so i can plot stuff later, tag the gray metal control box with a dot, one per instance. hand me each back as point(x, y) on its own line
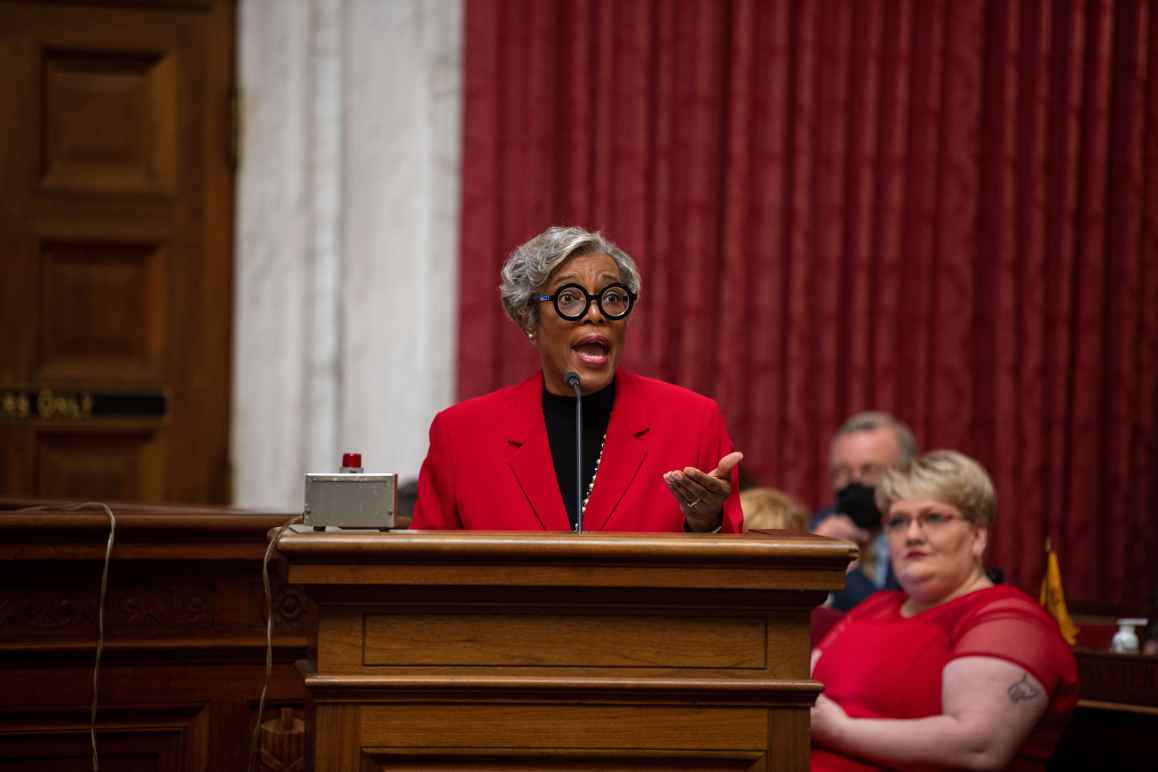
point(351, 500)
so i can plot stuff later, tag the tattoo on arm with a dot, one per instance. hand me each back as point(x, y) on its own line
point(1023, 690)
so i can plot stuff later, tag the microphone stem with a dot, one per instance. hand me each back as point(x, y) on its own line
point(578, 457)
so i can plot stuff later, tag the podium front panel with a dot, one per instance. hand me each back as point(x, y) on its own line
point(477, 651)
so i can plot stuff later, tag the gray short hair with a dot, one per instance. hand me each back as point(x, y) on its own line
point(533, 262)
point(871, 420)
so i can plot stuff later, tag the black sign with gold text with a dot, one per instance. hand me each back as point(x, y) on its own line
point(72, 405)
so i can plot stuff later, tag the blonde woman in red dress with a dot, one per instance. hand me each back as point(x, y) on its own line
point(952, 671)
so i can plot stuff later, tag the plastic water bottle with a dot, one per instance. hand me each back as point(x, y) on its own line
point(1125, 641)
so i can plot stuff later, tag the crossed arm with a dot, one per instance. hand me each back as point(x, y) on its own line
point(989, 708)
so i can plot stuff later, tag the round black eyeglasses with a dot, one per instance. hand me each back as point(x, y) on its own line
point(573, 301)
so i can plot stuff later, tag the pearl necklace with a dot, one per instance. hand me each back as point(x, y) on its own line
point(594, 472)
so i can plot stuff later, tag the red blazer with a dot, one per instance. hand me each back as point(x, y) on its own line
point(489, 466)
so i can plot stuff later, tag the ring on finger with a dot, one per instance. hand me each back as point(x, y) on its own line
point(692, 506)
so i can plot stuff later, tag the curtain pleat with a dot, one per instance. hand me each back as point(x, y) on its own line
point(1086, 398)
point(1063, 242)
point(1144, 440)
point(942, 208)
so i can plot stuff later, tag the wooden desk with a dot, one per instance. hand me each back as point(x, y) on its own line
point(1116, 719)
point(440, 651)
point(184, 655)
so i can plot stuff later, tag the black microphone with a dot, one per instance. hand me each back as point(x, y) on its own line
point(572, 379)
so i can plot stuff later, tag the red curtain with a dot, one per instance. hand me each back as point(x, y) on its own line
point(947, 210)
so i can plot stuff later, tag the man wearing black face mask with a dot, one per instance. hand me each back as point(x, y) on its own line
point(863, 449)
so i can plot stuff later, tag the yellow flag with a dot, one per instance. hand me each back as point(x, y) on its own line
point(1054, 599)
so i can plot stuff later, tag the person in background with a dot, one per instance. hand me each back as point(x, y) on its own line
point(772, 509)
point(951, 671)
point(507, 460)
point(863, 449)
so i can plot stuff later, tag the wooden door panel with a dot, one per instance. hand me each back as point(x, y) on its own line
point(110, 465)
point(104, 312)
point(110, 120)
point(17, 450)
point(115, 221)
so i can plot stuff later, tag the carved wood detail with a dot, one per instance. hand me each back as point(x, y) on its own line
point(170, 604)
point(283, 741)
point(21, 612)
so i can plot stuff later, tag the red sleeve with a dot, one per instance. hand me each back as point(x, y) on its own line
point(436, 508)
point(1017, 630)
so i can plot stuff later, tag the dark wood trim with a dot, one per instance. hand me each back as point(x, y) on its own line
point(160, 5)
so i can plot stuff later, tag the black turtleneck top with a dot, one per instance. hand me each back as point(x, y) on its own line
point(559, 413)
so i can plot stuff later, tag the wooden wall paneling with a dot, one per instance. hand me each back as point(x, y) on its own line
point(117, 185)
point(184, 654)
point(160, 738)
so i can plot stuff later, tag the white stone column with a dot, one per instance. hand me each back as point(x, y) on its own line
point(347, 237)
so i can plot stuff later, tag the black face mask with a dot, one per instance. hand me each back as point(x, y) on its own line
point(858, 501)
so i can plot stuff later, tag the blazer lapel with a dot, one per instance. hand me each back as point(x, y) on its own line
point(531, 462)
point(623, 452)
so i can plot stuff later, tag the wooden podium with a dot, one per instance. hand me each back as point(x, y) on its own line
point(531, 651)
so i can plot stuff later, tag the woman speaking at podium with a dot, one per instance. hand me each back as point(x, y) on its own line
point(507, 460)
